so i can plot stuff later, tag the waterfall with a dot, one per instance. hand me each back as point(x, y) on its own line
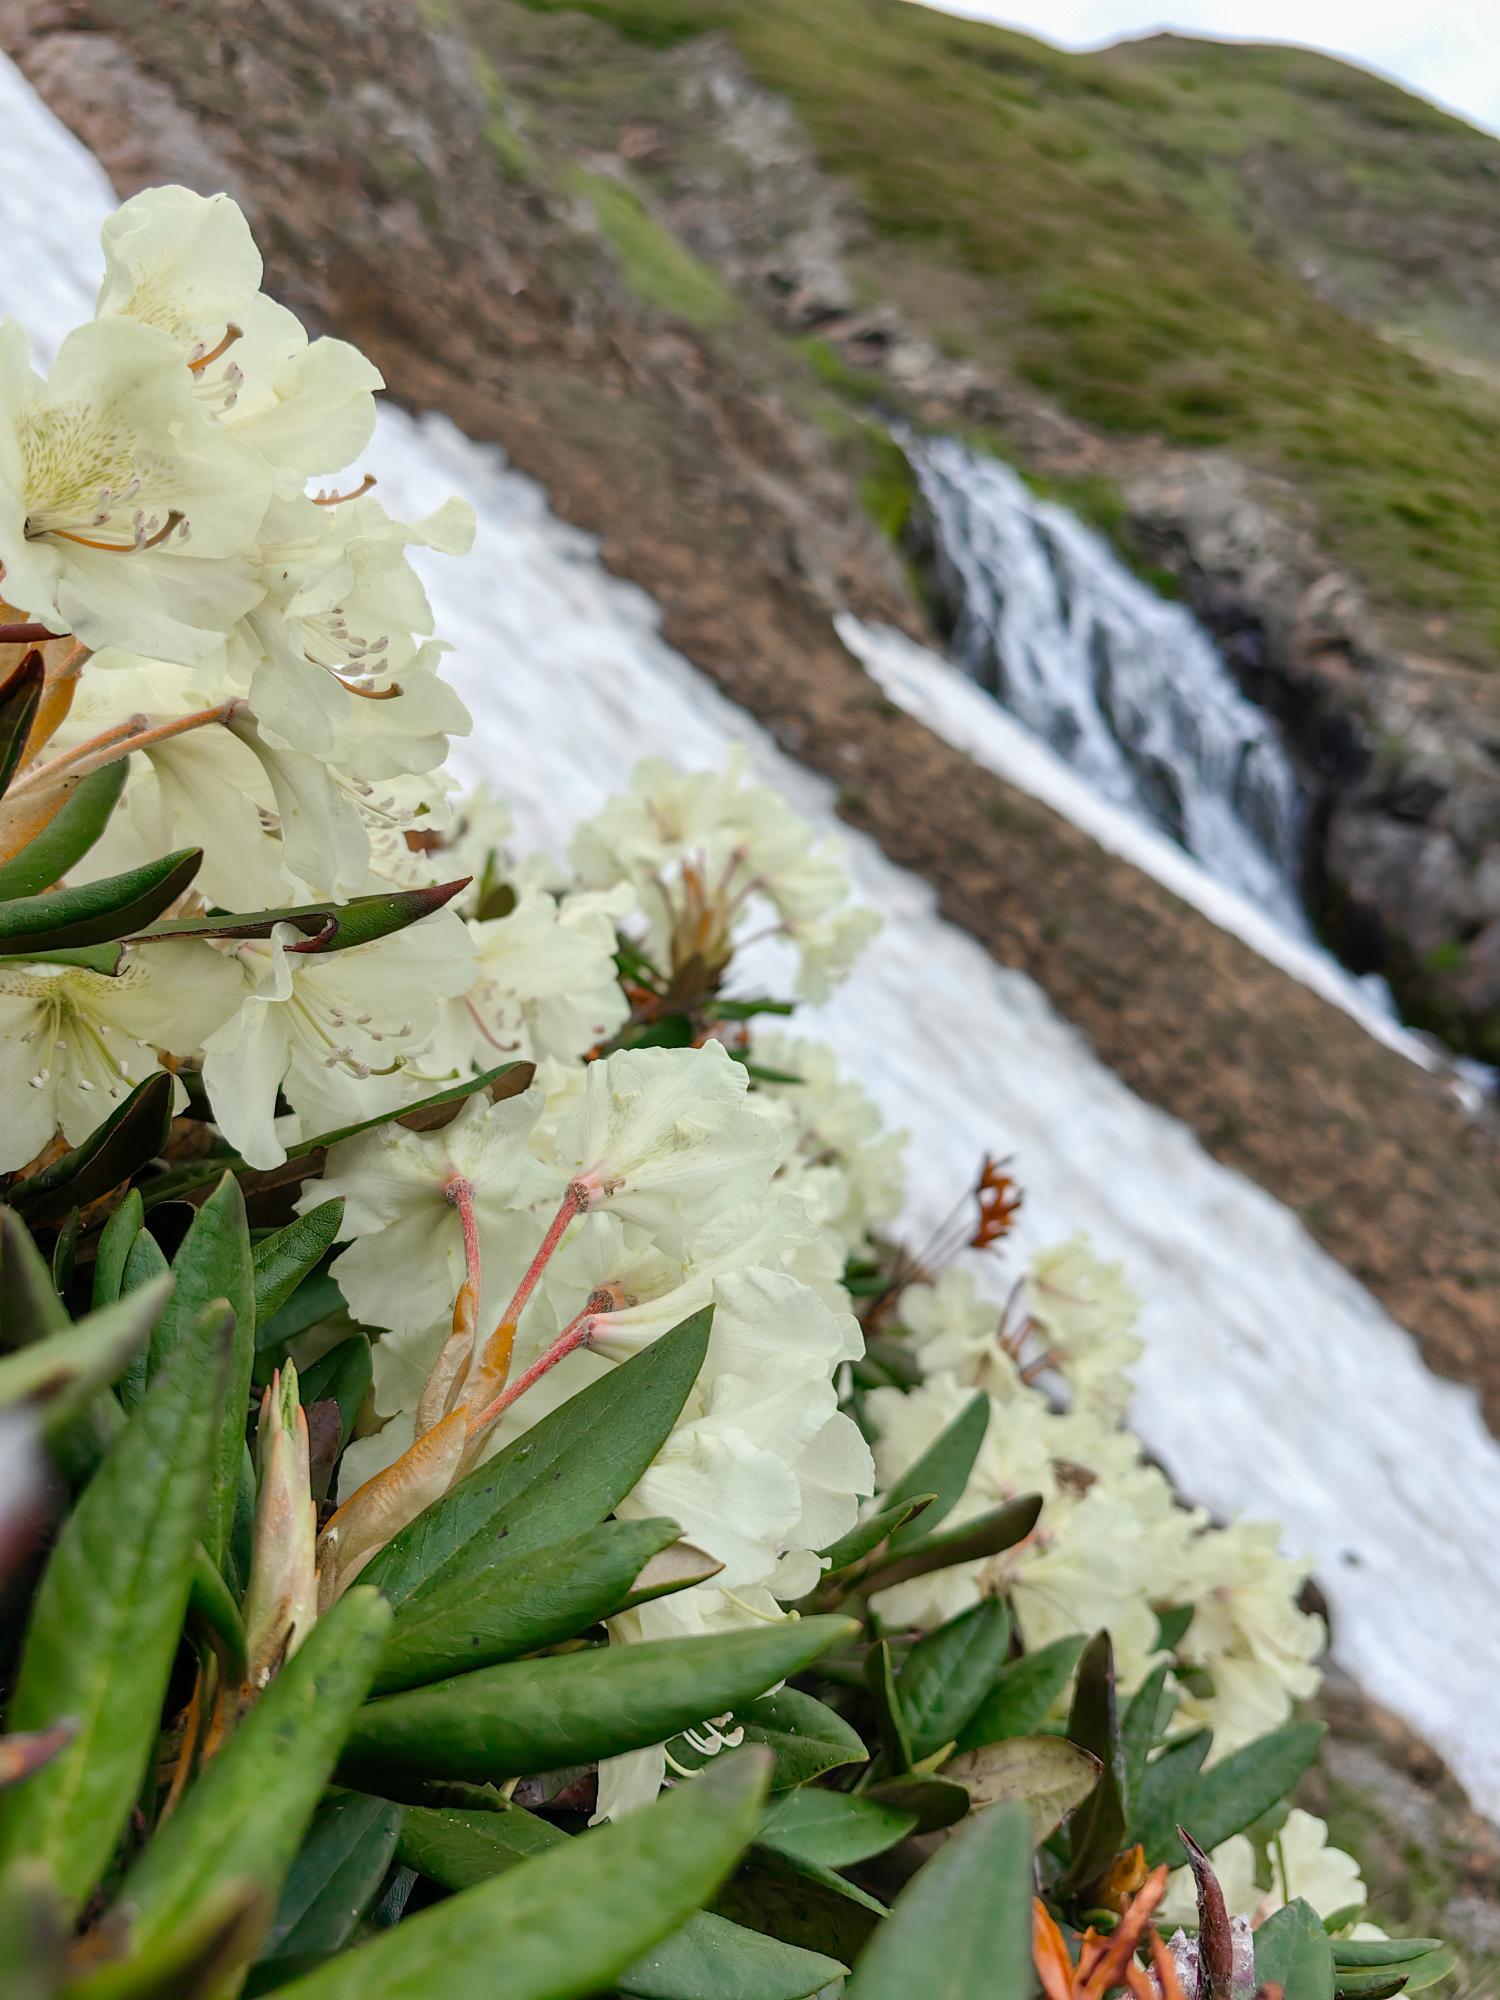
point(1124, 686)
point(1273, 1382)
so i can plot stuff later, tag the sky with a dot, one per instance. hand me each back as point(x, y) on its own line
point(1448, 50)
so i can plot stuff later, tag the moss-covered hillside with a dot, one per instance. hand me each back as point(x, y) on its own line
point(1246, 247)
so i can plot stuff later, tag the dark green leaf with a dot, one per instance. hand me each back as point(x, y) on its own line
point(564, 1474)
point(214, 1261)
point(106, 1619)
point(105, 959)
point(937, 1802)
point(113, 1248)
point(708, 1959)
point(800, 1903)
point(942, 1470)
point(1293, 1950)
point(1239, 1788)
point(325, 927)
point(283, 1260)
point(568, 1923)
point(1023, 1695)
point(858, 1543)
point(333, 1881)
point(540, 1715)
point(913, 1553)
point(962, 1926)
point(1098, 1829)
point(62, 1370)
point(29, 1306)
point(1171, 1627)
point(134, 1132)
point(96, 912)
point(244, 1817)
point(1146, 1715)
point(833, 1829)
point(890, 1725)
point(67, 836)
point(317, 1298)
point(805, 1736)
point(343, 1376)
point(1163, 1788)
point(518, 1604)
point(20, 697)
point(144, 1264)
point(1360, 1954)
point(65, 1253)
point(950, 1671)
point(214, 1615)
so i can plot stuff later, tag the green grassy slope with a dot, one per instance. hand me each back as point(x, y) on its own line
point(1109, 214)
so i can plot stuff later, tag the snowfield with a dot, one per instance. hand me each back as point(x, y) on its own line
point(1273, 1382)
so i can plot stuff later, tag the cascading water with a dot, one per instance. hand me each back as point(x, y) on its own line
point(1125, 687)
point(1256, 1387)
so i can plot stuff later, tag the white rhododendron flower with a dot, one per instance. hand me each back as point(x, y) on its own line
point(76, 1042)
point(341, 1032)
point(957, 1331)
point(545, 979)
point(127, 516)
point(1086, 1312)
point(1247, 1630)
point(841, 1160)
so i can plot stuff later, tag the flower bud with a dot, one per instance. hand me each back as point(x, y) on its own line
point(281, 1602)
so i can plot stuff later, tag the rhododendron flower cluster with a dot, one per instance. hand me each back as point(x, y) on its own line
point(599, 1144)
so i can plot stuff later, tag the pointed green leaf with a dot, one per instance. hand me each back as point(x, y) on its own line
point(317, 1298)
point(334, 1879)
point(801, 1903)
point(106, 1620)
point(214, 1261)
point(283, 1260)
point(244, 1818)
point(1294, 1952)
point(134, 1132)
point(564, 1474)
point(833, 1829)
point(943, 1470)
point(867, 1535)
point(1224, 1799)
point(1023, 1695)
point(805, 1736)
point(29, 1306)
point(1154, 1806)
point(949, 1672)
point(97, 912)
point(890, 1724)
point(913, 1553)
point(113, 1248)
point(325, 926)
point(937, 1802)
point(518, 1604)
point(962, 1925)
point(343, 1375)
point(65, 1368)
point(67, 836)
point(1098, 1831)
point(1146, 1716)
point(570, 1922)
point(541, 1715)
point(708, 1959)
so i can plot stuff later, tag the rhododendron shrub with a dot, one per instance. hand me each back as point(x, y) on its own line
point(464, 1384)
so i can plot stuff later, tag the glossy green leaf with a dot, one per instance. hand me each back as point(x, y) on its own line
point(214, 1615)
point(325, 926)
point(1293, 1950)
point(867, 1535)
point(568, 1923)
point(962, 1925)
point(542, 1715)
point(942, 1470)
point(805, 1736)
point(145, 1263)
point(283, 1260)
point(97, 912)
point(801, 1903)
point(890, 1724)
point(214, 1261)
point(105, 959)
point(1048, 1775)
point(106, 1620)
point(29, 1306)
point(1023, 1694)
point(1097, 1832)
point(913, 1553)
point(518, 1604)
point(1146, 1716)
point(563, 1475)
point(834, 1829)
point(1164, 1786)
point(709, 1958)
point(343, 1376)
point(244, 1817)
point(67, 836)
point(936, 1802)
point(20, 696)
point(1224, 1799)
point(134, 1133)
point(1361, 1954)
point(317, 1298)
point(113, 1248)
point(949, 1672)
point(334, 1879)
point(64, 1369)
